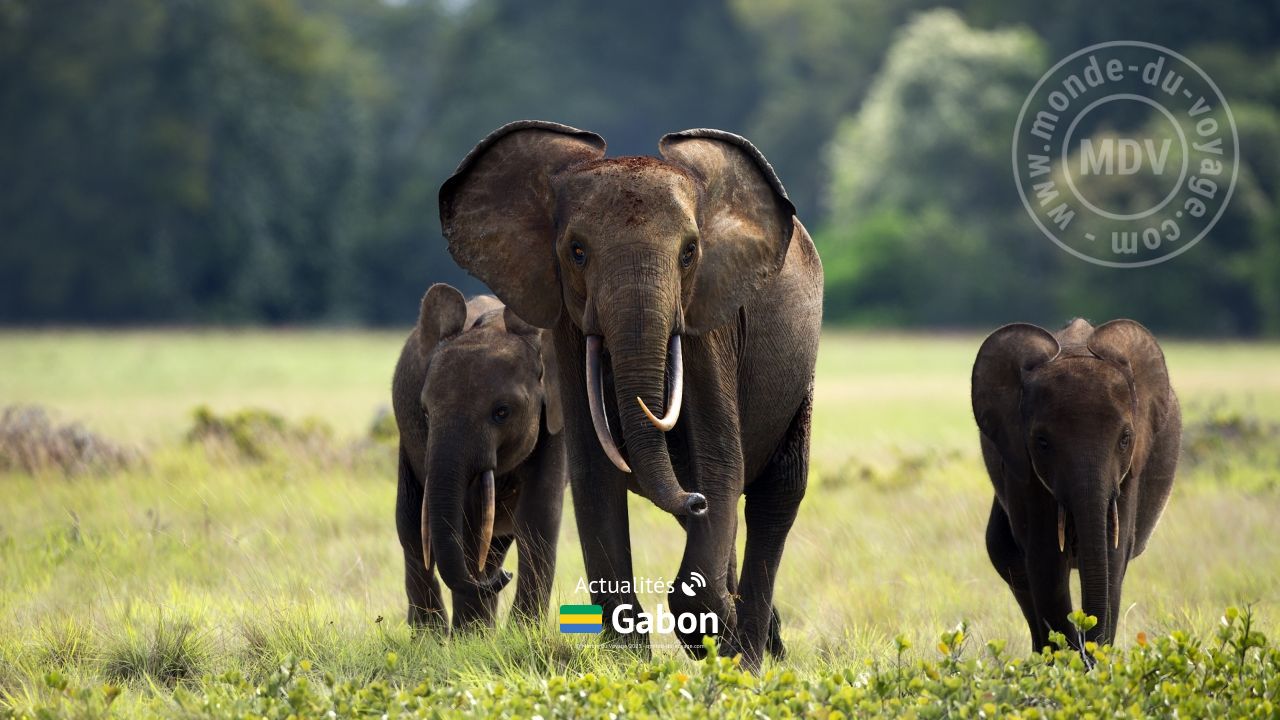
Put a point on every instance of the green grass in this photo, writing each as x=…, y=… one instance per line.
x=164, y=576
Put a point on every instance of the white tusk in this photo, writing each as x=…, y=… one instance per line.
x=426, y=532
x=595, y=398
x=486, y=520
x=1062, y=529
x=675, y=363
x=1115, y=524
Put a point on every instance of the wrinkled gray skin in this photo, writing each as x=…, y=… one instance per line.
x=633, y=251
x=1082, y=422
x=463, y=361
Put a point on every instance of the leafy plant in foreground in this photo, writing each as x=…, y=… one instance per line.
x=1234, y=675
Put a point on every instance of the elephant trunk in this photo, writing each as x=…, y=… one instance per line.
x=1094, y=533
x=641, y=375
x=638, y=314
x=446, y=489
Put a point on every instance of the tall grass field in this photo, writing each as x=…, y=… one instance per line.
x=200, y=524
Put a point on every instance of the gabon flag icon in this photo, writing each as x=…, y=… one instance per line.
x=581, y=618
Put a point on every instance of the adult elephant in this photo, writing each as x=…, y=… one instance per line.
x=685, y=301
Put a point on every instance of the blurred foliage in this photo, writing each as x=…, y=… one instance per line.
x=256, y=435
x=31, y=442
x=277, y=161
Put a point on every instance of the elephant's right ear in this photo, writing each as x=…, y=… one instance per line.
x=996, y=390
x=498, y=211
x=443, y=314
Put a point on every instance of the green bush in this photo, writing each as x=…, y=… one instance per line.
x=1230, y=675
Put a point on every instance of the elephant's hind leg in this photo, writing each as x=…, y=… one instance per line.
x=773, y=500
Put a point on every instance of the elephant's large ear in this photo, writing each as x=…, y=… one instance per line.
x=443, y=314
x=745, y=220
x=497, y=211
x=541, y=339
x=1135, y=350
x=996, y=390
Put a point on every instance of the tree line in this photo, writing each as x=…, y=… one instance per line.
x=277, y=161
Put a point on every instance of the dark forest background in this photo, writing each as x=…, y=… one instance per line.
x=277, y=161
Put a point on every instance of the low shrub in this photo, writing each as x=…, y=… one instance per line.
x=1225, y=434
x=256, y=435
x=31, y=442
x=253, y=433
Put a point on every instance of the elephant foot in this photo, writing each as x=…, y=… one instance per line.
x=751, y=658
x=753, y=638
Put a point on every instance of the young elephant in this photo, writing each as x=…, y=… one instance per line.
x=1080, y=434
x=479, y=433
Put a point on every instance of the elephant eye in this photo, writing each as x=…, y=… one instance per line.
x=500, y=413
x=1042, y=442
x=578, y=252
x=689, y=253
x=1125, y=440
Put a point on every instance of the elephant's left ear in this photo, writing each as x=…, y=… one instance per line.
x=1133, y=347
x=745, y=219
x=541, y=339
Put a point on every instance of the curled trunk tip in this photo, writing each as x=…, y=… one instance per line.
x=695, y=505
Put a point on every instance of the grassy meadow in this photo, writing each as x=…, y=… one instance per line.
x=200, y=559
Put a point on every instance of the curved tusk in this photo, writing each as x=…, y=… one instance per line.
x=486, y=520
x=426, y=532
x=1062, y=529
x=675, y=363
x=1115, y=524
x=595, y=398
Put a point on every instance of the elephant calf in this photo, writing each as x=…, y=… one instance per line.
x=482, y=461
x=1080, y=433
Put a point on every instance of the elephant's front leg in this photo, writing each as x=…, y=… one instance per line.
x=600, y=509
x=599, y=497
x=426, y=603
x=1048, y=571
x=1011, y=564
x=773, y=501
x=708, y=553
x=537, y=521
x=717, y=469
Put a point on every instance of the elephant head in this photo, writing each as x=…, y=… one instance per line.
x=1079, y=420
x=485, y=401
x=635, y=252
